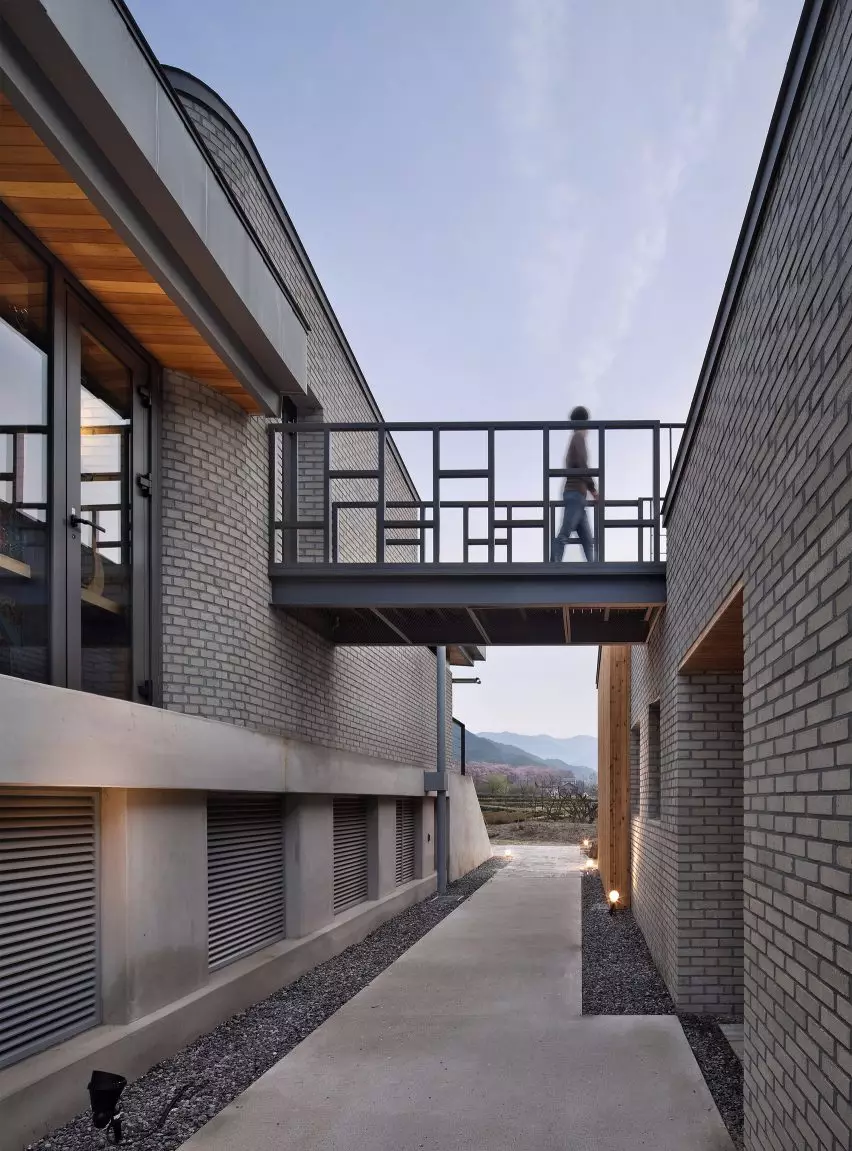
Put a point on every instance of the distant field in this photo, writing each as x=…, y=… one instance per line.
x=543, y=831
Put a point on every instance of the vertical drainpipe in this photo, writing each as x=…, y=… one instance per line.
x=441, y=797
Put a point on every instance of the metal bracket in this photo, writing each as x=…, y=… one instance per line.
x=434, y=781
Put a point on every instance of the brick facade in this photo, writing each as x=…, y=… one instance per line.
x=227, y=654
x=765, y=499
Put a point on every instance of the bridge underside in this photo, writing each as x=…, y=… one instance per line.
x=473, y=604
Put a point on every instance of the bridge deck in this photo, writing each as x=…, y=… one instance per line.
x=492, y=604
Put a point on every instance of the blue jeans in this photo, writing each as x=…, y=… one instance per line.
x=573, y=520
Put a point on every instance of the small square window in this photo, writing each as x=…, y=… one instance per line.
x=653, y=776
x=635, y=742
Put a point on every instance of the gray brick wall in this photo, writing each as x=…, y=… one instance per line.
x=766, y=499
x=227, y=654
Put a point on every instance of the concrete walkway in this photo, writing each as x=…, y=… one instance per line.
x=474, y=1040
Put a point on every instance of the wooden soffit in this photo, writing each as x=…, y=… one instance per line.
x=41, y=193
x=719, y=648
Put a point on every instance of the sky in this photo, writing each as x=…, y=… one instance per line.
x=514, y=206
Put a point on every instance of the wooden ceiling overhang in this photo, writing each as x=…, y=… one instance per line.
x=38, y=190
x=99, y=159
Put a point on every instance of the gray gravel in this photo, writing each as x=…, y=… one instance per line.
x=620, y=978
x=176, y=1097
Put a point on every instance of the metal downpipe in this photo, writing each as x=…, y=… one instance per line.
x=441, y=795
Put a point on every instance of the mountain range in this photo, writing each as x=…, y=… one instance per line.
x=505, y=749
x=579, y=749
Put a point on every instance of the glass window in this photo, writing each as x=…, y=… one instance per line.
x=106, y=406
x=23, y=460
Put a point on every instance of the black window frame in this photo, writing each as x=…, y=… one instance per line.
x=63, y=290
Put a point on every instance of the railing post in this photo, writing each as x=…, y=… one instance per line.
x=380, y=499
x=491, y=528
x=272, y=491
x=436, y=495
x=547, y=542
x=601, y=504
x=289, y=496
x=326, y=494
x=656, y=495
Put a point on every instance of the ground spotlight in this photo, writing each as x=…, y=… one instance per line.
x=613, y=901
x=105, y=1091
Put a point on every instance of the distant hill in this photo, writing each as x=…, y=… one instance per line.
x=579, y=751
x=479, y=750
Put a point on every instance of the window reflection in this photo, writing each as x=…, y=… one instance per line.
x=23, y=460
x=105, y=424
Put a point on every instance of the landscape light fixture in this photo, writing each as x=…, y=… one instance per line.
x=105, y=1091
x=586, y=843
x=613, y=901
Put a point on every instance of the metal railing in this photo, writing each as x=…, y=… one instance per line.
x=322, y=475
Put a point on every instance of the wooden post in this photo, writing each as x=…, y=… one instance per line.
x=614, y=771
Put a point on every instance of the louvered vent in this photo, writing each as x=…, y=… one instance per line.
x=350, y=853
x=406, y=815
x=48, y=919
x=245, y=875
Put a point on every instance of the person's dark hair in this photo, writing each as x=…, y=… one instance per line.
x=579, y=414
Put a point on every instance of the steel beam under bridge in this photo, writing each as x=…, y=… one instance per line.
x=491, y=604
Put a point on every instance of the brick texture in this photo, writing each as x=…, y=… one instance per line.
x=765, y=499
x=227, y=654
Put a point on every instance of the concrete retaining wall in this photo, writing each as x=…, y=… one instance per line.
x=469, y=842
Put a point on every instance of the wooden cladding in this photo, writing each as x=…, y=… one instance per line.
x=35, y=186
x=614, y=771
x=719, y=648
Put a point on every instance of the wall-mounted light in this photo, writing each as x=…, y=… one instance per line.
x=467, y=679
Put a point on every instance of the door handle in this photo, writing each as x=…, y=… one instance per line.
x=75, y=521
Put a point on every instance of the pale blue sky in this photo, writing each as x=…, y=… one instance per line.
x=514, y=206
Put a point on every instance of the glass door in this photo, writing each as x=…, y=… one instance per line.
x=24, y=449
x=108, y=493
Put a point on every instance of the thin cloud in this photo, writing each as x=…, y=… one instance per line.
x=665, y=172
x=742, y=21
x=553, y=240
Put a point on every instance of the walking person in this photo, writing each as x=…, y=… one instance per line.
x=577, y=488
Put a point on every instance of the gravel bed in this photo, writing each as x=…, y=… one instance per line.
x=620, y=978
x=722, y=1070
x=171, y=1101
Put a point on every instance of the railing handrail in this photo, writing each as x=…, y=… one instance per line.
x=391, y=426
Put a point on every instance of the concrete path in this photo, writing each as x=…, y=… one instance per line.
x=474, y=1040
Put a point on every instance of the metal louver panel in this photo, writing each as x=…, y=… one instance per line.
x=350, y=853
x=48, y=919
x=245, y=875
x=406, y=816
